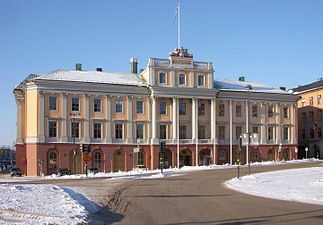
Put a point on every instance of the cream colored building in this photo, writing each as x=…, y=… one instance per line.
x=176, y=100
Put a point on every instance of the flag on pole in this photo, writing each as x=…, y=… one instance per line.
x=176, y=13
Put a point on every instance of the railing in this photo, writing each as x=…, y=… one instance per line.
x=201, y=65
x=118, y=141
x=161, y=62
x=205, y=141
x=185, y=141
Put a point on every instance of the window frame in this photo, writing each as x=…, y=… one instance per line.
x=286, y=135
x=52, y=129
x=182, y=134
x=97, y=106
x=161, y=103
x=198, y=80
x=117, y=103
x=238, y=110
x=77, y=129
x=97, y=130
x=181, y=75
x=49, y=103
x=74, y=105
x=221, y=111
x=182, y=108
x=254, y=112
x=286, y=112
x=116, y=125
x=159, y=78
x=160, y=133
x=142, y=107
x=142, y=130
x=220, y=136
x=201, y=112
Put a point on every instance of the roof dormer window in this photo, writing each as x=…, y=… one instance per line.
x=201, y=80
x=162, y=78
x=181, y=79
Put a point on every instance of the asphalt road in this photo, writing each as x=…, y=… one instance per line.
x=201, y=198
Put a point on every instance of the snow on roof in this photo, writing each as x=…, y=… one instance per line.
x=93, y=77
x=234, y=85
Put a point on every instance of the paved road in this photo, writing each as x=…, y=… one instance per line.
x=201, y=198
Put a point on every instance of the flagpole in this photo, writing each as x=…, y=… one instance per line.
x=179, y=25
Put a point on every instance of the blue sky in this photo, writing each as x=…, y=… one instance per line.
x=276, y=42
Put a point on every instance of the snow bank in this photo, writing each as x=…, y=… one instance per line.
x=42, y=204
x=302, y=185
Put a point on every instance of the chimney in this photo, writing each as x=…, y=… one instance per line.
x=99, y=69
x=78, y=66
x=282, y=88
x=133, y=65
x=241, y=78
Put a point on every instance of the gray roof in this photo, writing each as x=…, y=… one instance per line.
x=308, y=87
x=234, y=85
x=92, y=77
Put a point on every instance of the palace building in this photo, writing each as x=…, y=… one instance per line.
x=176, y=100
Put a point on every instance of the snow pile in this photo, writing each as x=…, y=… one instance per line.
x=42, y=204
x=302, y=185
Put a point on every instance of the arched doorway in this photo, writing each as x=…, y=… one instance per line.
x=255, y=155
x=118, y=161
x=271, y=155
x=52, y=162
x=75, y=162
x=185, y=158
x=223, y=156
x=168, y=158
x=97, y=160
x=205, y=157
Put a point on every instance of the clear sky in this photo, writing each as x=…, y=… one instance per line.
x=278, y=42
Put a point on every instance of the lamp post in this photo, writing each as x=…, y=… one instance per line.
x=279, y=151
x=248, y=87
x=306, y=150
x=73, y=133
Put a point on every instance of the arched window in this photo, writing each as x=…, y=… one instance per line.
x=141, y=158
x=52, y=161
x=200, y=80
x=255, y=155
x=97, y=159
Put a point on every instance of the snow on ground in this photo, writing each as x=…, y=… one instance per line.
x=301, y=185
x=42, y=204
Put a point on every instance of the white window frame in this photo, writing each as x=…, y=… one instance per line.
x=48, y=128
x=179, y=76
x=165, y=74
x=97, y=98
x=101, y=130
x=142, y=106
x=143, y=130
x=198, y=80
x=56, y=105
x=160, y=108
x=115, y=136
x=163, y=124
x=79, y=104
x=115, y=105
x=287, y=133
x=71, y=130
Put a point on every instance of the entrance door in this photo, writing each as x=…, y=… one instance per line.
x=118, y=161
x=185, y=158
x=75, y=162
x=168, y=158
x=204, y=157
x=271, y=155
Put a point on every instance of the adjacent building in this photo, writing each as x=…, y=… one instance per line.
x=310, y=119
x=176, y=100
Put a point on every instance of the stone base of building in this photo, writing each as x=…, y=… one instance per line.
x=47, y=158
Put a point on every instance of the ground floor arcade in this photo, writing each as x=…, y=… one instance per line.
x=35, y=159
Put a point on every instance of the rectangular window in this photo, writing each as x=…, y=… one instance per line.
x=97, y=105
x=201, y=132
x=254, y=111
x=119, y=106
x=270, y=133
x=311, y=116
x=162, y=107
x=238, y=132
x=182, y=131
x=319, y=116
x=303, y=103
x=303, y=117
x=286, y=112
x=182, y=108
x=52, y=103
x=221, y=109
x=75, y=104
x=319, y=132
x=181, y=79
x=139, y=107
x=270, y=111
x=311, y=101
x=201, y=109
x=118, y=131
x=319, y=99
x=304, y=133
x=162, y=78
x=221, y=132
x=75, y=129
x=200, y=80
x=52, y=129
x=286, y=131
x=311, y=133
x=238, y=111
x=162, y=131
x=97, y=130
x=255, y=130
x=139, y=130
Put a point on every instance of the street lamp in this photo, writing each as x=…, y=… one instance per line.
x=306, y=150
x=279, y=151
x=248, y=87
